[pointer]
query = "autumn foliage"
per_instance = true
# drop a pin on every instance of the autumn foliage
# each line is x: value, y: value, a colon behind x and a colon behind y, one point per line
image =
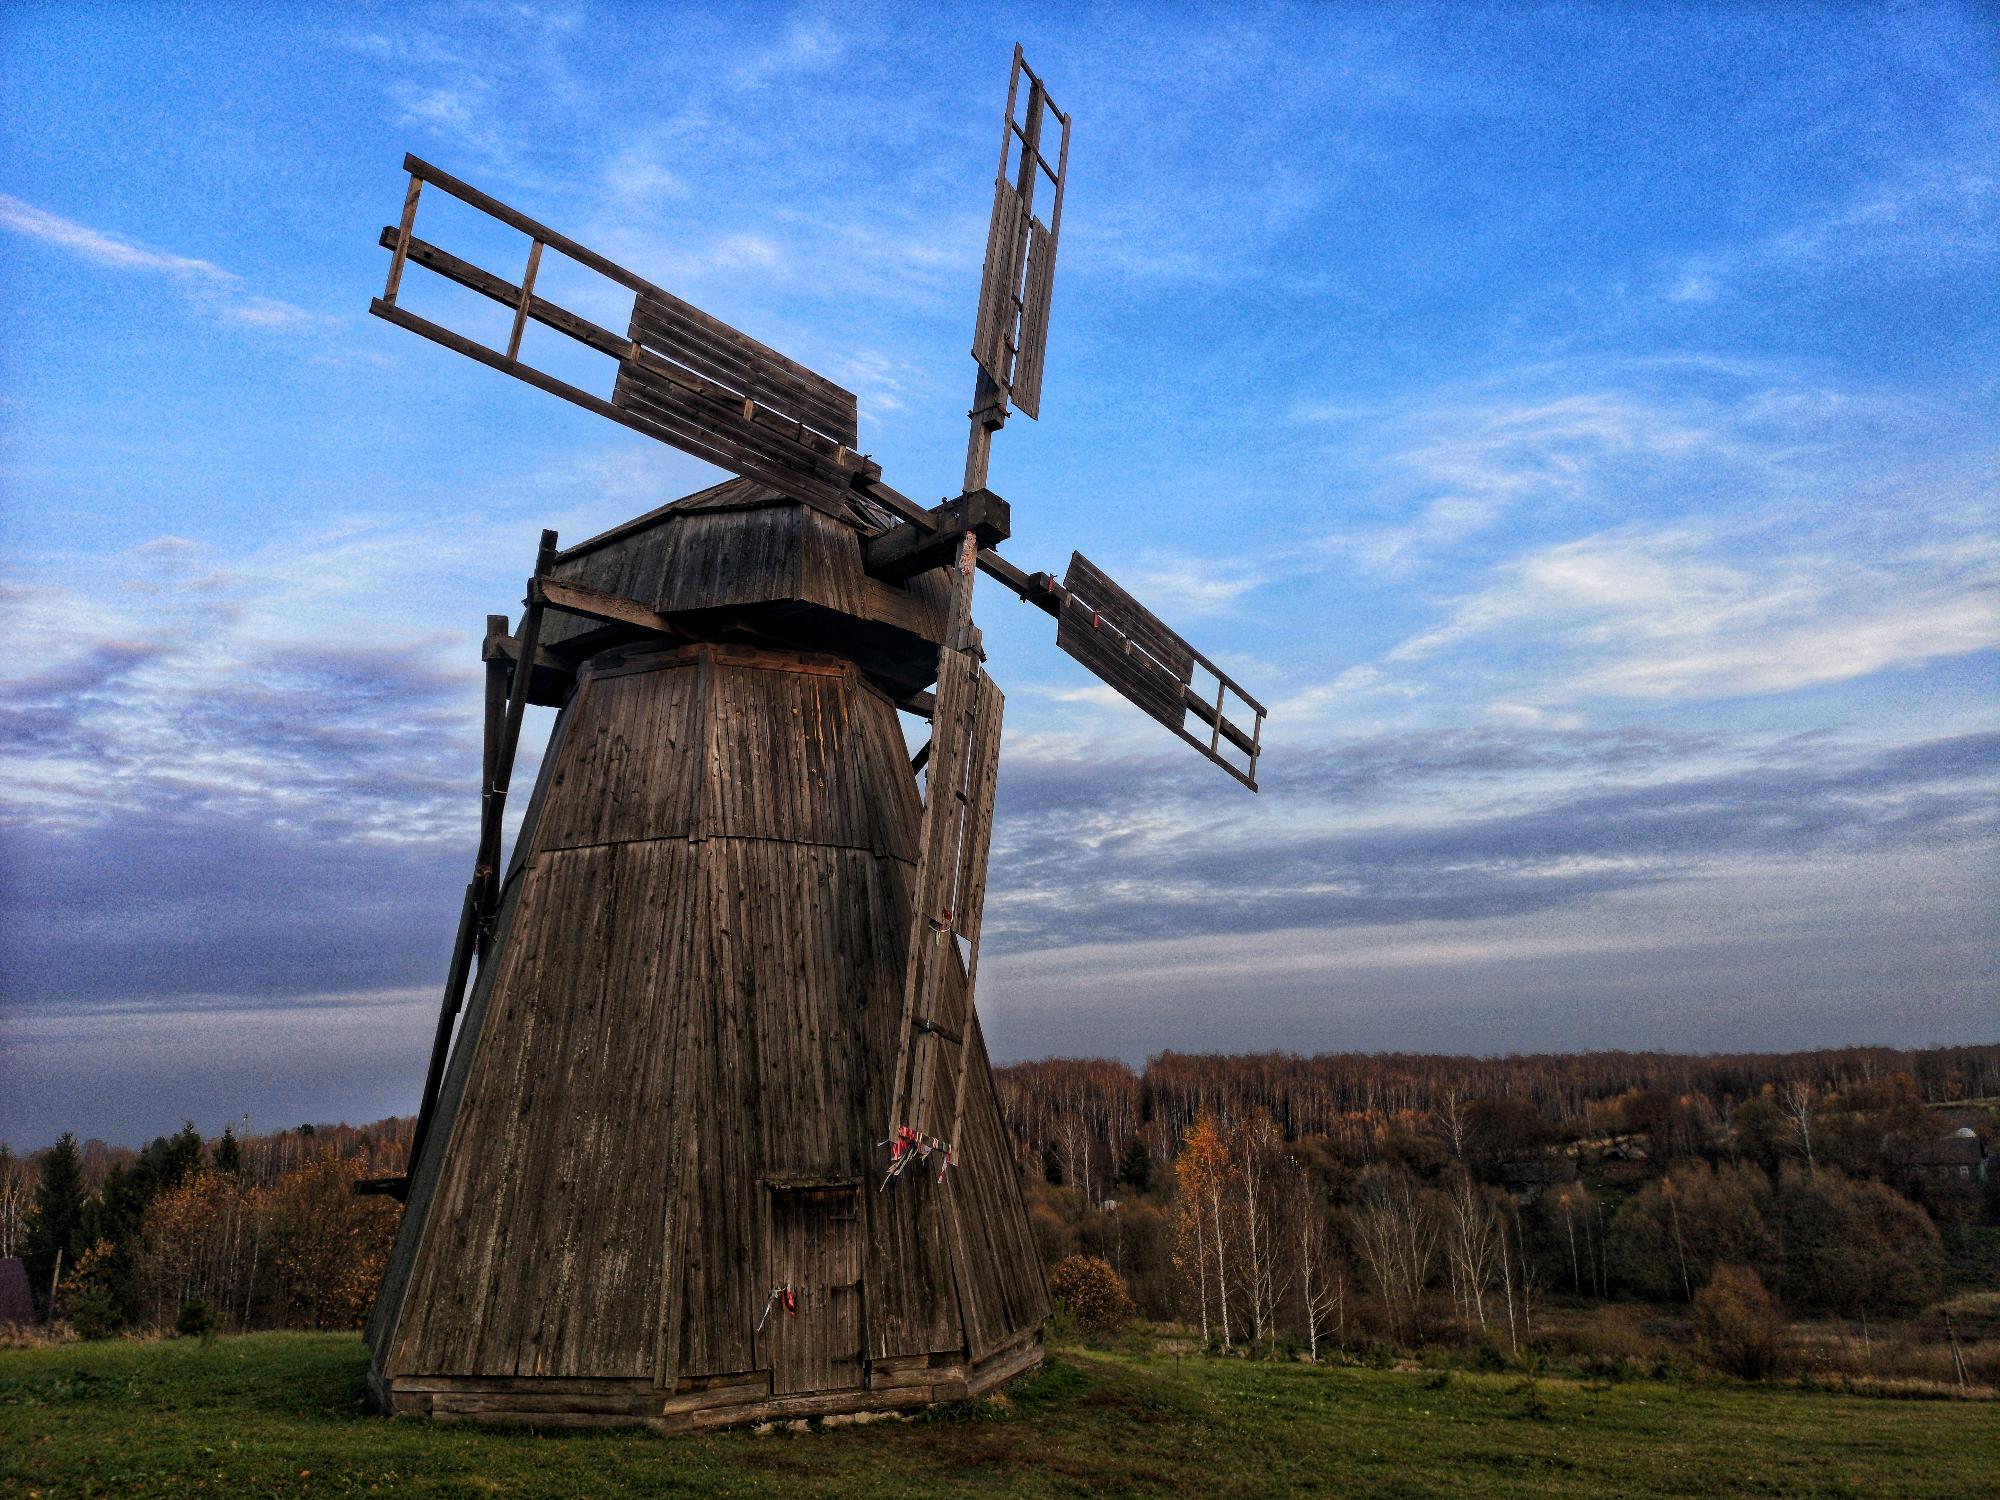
x: 1093, y: 1294
x: 1738, y: 1328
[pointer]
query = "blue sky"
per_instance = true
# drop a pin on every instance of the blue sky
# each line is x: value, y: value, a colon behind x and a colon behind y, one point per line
x: 1577, y: 424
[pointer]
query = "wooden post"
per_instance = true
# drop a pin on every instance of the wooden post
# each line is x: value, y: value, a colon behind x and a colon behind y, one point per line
x: 527, y: 296
x: 493, y: 805
x: 454, y: 997
x: 402, y: 240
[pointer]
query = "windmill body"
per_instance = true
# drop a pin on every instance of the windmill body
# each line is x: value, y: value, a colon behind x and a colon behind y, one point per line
x: 712, y: 1136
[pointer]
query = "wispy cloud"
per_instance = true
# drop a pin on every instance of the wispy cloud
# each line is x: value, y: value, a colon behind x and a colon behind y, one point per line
x: 1176, y: 586
x: 1674, y: 615
x: 1452, y: 825
x: 809, y: 44
x: 220, y: 293
x: 1927, y: 217
x: 452, y: 114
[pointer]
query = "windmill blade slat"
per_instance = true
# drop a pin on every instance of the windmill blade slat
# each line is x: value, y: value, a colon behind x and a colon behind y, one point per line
x: 1134, y: 652
x: 1006, y: 242
x: 1035, y: 319
x: 718, y: 352
x: 1010, y: 331
x: 695, y: 426
x: 1144, y: 660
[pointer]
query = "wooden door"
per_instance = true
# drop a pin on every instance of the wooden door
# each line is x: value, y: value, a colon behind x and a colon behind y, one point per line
x: 814, y: 1342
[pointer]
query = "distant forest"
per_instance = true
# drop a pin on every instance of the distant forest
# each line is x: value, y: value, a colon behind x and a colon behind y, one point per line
x: 1273, y: 1204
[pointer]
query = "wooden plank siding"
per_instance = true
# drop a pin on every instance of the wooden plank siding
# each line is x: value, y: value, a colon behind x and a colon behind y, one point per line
x: 693, y: 999
x: 789, y: 572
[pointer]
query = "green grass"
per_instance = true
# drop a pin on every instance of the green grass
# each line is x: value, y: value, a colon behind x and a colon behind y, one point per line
x: 282, y: 1414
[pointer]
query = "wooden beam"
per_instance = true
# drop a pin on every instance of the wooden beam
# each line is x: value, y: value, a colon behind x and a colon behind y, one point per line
x: 476, y: 279
x: 466, y: 193
x: 596, y: 604
x: 905, y: 550
x: 554, y: 677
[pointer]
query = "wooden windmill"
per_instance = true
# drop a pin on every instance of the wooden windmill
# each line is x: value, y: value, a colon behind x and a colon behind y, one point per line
x: 717, y: 1139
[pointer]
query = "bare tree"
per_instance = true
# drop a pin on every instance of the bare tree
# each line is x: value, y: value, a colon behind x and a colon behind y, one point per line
x: 1472, y: 1245
x: 1397, y: 1231
x: 1259, y: 1145
x: 1800, y: 1111
x: 17, y: 1189
x: 1322, y: 1272
x: 1452, y: 1126
x: 1201, y: 1174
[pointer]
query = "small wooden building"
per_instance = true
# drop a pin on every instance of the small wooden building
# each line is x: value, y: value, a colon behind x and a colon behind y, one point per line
x: 653, y: 1189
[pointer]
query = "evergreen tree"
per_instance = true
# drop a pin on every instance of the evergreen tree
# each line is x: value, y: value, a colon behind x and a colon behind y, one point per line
x: 55, y: 1218
x: 1136, y: 1168
x: 115, y: 1214
x: 228, y: 1154
x: 179, y: 1155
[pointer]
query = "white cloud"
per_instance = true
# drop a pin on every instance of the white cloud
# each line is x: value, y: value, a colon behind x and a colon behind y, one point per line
x: 1455, y: 464
x: 1527, y: 716
x: 103, y: 249
x: 637, y: 179
x: 1926, y: 217
x: 210, y: 287
x: 453, y: 114
x: 1666, y: 614
x: 1184, y: 586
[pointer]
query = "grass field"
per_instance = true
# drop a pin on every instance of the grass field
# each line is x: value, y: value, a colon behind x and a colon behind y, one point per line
x: 282, y: 1414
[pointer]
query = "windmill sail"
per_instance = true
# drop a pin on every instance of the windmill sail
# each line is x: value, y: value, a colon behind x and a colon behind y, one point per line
x: 1134, y: 651
x: 683, y: 377
x: 1012, y: 329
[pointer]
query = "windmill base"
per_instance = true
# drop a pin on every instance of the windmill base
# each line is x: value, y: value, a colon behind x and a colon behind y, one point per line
x: 904, y: 1384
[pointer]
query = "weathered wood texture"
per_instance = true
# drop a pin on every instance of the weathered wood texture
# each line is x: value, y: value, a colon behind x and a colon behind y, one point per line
x: 950, y: 898
x: 739, y: 554
x: 725, y: 1401
x: 685, y: 1031
x: 812, y: 1336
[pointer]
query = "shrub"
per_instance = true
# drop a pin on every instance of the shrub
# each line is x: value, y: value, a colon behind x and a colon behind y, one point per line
x: 1738, y: 1328
x: 90, y: 1296
x: 1093, y: 1293
x: 196, y: 1320
x: 94, y: 1312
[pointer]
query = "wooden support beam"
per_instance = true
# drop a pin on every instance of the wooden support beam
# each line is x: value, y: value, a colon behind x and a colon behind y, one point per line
x: 493, y: 805
x: 399, y: 239
x: 596, y: 604
x: 525, y: 300
x: 454, y: 998
x: 554, y: 678
x: 913, y: 547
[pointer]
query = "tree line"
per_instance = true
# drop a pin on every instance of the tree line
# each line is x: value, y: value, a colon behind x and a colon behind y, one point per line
x: 1268, y: 1203
x: 234, y: 1233
x: 1287, y: 1201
